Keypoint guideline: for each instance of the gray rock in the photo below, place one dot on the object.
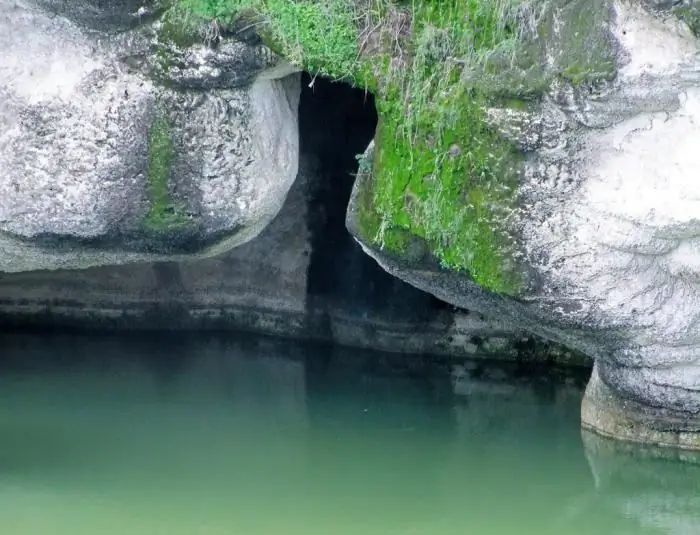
(265, 286)
(122, 147)
(108, 15)
(606, 224)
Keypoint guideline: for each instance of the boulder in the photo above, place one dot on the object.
(596, 246)
(120, 144)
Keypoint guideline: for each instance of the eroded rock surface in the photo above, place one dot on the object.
(302, 277)
(117, 146)
(606, 226)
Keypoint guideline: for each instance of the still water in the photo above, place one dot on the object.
(204, 436)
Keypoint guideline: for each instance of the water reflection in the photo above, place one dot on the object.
(657, 488)
(179, 435)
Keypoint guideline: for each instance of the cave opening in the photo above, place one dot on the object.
(336, 123)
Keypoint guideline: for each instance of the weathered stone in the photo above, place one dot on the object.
(263, 287)
(605, 227)
(303, 277)
(610, 414)
(105, 162)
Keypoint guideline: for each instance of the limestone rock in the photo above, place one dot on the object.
(120, 146)
(605, 226)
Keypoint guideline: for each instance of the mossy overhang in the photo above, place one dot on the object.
(439, 174)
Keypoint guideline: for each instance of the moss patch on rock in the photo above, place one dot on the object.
(162, 213)
(585, 51)
(181, 26)
(689, 12)
(439, 172)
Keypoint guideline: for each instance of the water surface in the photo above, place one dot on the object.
(206, 436)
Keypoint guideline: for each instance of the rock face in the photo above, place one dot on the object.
(118, 146)
(128, 134)
(272, 285)
(606, 227)
(303, 277)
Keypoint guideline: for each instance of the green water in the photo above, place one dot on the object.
(212, 437)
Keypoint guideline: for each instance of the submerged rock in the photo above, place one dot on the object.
(108, 157)
(603, 228)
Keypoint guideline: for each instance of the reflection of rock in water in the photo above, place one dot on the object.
(83, 404)
(505, 421)
(658, 489)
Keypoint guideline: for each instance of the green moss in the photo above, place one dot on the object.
(181, 26)
(162, 213)
(447, 184)
(586, 51)
(690, 14)
(320, 37)
(439, 173)
(370, 223)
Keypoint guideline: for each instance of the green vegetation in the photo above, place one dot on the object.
(689, 12)
(162, 213)
(181, 26)
(439, 173)
(587, 55)
(321, 37)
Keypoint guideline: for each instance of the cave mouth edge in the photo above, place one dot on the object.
(336, 124)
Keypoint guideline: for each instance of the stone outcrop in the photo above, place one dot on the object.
(268, 286)
(558, 197)
(117, 146)
(303, 277)
(603, 227)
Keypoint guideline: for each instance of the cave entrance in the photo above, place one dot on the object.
(336, 123)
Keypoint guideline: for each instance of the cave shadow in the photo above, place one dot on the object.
(336, 123)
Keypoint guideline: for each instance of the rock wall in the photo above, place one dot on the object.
(303, 277)
(266, 286)
(117, 147)
(602, 225)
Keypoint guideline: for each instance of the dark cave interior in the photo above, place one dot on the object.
(336, 123)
